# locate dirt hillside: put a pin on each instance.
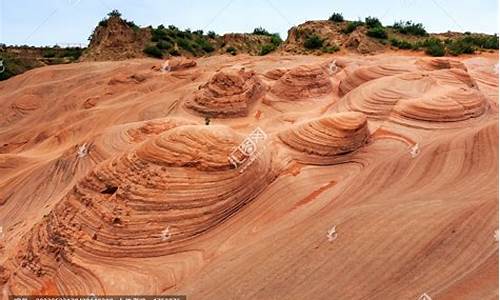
(114, 39)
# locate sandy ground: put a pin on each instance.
(340, 177)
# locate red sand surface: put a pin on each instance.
(112, 183)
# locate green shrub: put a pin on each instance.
(410, 28)
(460, 46)
(131, 24)
(330, 49)
(372, 22)
(17, 65)
(490, 42)
(73, 52)
(336, 17)
(266, 49)
(212, 34)
(103, 23)
(162, 44)
(153, 51)
(313, 42)
(434, 47)
(185, 44)
(183, 34)
(232, 50)
(276, 39)
(377, 32)
(48, 53)
(159, 34)
(351, 26)
(114, 13)
(205, 45)
(260, 31)
(401, 44)
(483, 41)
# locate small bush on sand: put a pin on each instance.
(401, 44)
(372, 22)
(330, 49)
(351, 26)
(266, 49)
(261, 31)
(211, 34)
(205, 45)
(410, 28)
(163, 44)
(482, 40)
(153, 51)
(336, 17)
(377, 32)
(114, 13)
(460, 46)
(434, 47)
(313, 42)
(231, 50)
(276, 39)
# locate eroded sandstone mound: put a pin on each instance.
(303, 82)
(436, 96)
(227, 94)
(145, 203)
(357, 75)
(430, 64)
(331, 135)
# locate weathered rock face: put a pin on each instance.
(438, 63)
(332, 35)
(328, 136)
(421, 96)
(227, 94)
(303, 82)
(116, 41)
(356, 75)
(137, 204)
(329, 31)
(363, 44)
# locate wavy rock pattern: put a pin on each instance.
(137, 205)
(227, 94)
(328, 136)
(110, 184)
(431, 64)
(360, 75)
(438, 96)
(303, 82)
(357, 75)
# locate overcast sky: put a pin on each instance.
(49, 22)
